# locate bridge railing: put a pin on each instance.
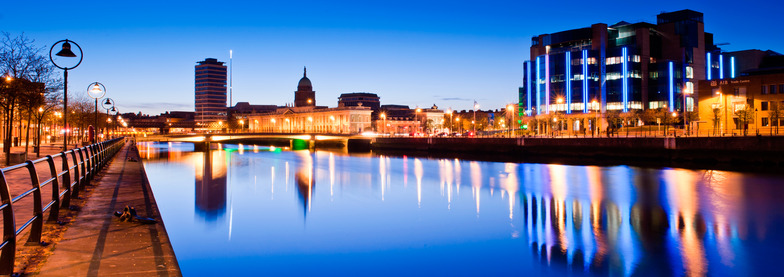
(76, 168)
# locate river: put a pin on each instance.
(254, 210)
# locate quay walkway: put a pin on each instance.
(94, 242)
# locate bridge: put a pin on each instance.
(296, 141)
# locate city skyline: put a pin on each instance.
(442, 53)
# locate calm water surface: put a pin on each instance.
(248, 210)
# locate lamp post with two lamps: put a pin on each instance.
(66, 52)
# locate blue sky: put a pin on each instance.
(416, 53)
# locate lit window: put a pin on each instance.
(689, 72)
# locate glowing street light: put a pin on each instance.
(418, 110)
(384, 119)
(96, 91)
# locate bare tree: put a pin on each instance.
(613, 121)
(82, 114)
(29, 79)
(716, 120)
(776, 113)
(628, 119)
(745, 116)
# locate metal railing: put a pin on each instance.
(65, 184)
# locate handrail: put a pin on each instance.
(65, 183)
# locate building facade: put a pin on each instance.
(210, 89)
(760, 91)
(341, 120)
(306, 117)
(356, 99)
(621, 67)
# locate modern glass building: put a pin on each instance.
(622, 67)
(210, 97)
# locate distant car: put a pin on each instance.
(468, 134)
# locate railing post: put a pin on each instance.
(9, 229)
(93, 161)
(101, 155)
(38, 223)
(83, 165)
(88, 172)
(66, 180)
(75, 177)
(54, 214)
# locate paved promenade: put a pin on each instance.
(96, 243)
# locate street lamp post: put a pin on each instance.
(596, 117)
(449, 112)
(560, 101)
(509, 124)
(384, 120)
(65, 52)
(473, 122)
(756, 117)
(96, 91)
(108, 105)
(419, 123)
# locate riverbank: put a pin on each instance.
(728, 153)
(93, 242)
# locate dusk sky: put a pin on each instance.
(415, 53)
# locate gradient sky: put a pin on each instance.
(416, 53)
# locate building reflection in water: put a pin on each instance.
(608, 220)
(210, 185)
(304, 179)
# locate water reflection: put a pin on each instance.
(304, 179)
(210, 184)
(549, 219)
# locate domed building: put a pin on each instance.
(306, 117)
(304, 96)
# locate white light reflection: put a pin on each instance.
(382, 171)
(682, 194)
(331, 175)
(457, 176)
(509, 182)
(272, 183)
(418, 174)
(476, 183)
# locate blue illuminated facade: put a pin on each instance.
(623, 67)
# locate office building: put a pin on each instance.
(621, 67)
(210, 97)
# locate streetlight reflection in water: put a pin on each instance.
(545, 219)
